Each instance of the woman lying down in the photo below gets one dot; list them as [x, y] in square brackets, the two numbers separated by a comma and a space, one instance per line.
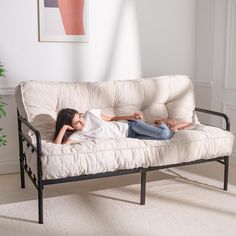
[72, 126]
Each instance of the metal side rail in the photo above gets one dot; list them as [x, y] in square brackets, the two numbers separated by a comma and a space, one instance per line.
[38, 182]
[215, 113]
[225, 162]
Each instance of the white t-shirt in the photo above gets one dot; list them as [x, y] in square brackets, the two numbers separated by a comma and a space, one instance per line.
[95, 127]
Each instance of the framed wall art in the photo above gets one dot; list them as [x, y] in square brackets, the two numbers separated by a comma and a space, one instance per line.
[63, 20]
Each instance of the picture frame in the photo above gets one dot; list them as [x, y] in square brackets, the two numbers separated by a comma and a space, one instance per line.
[63, 20]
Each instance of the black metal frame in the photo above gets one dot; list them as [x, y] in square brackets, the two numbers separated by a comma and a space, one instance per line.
[39, 182]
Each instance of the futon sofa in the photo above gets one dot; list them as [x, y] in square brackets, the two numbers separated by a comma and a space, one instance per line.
[45, 162]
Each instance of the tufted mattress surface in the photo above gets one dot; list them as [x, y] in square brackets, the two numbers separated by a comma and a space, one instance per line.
[173, 96]
[98, 156]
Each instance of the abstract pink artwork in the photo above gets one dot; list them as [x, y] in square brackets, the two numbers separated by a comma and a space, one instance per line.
[72, 16]
[64, 20]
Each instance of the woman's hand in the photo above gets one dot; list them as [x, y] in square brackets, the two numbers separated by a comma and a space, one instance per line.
[59, 137]
[137, 116]
[67, 127]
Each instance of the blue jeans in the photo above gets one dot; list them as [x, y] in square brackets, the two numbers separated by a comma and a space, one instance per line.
[140, 130]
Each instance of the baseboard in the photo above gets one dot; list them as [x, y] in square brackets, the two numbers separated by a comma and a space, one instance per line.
[8, 167]
[7, 91]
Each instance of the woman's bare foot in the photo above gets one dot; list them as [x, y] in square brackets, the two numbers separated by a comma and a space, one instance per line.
[181, 125]
[168, 121]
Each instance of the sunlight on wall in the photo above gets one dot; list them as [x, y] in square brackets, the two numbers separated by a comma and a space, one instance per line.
[114, 46]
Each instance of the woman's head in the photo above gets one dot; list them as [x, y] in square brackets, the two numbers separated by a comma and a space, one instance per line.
[69, 117]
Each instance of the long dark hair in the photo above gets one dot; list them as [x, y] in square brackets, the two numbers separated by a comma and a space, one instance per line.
[64, 117]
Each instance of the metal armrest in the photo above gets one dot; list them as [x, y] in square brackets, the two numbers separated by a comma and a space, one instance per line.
[38, 182]
[215, 113]
[37, 148]
[36, 132]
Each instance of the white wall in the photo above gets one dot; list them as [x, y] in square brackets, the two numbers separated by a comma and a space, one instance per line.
[215, 71]
[204, 52]
[204, 55]
[128, 39]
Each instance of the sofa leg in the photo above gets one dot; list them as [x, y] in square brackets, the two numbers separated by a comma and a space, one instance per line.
[22, 175]
[226, 173]
[40, 205]
[143, 187]
[21, 154]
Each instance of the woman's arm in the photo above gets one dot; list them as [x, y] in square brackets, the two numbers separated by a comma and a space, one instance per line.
[69, 141]
[59, 137]
[135, 116]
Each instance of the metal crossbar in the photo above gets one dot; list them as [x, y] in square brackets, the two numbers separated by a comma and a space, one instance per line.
[39, 182]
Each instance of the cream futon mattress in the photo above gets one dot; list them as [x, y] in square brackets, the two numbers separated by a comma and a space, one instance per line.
[98, 156]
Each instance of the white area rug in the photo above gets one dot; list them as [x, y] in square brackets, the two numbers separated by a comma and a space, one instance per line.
[174, 206]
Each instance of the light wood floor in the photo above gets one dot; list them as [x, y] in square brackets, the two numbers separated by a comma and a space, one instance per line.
[184, 201]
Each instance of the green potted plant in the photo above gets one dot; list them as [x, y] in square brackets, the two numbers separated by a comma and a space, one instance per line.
[3, 140]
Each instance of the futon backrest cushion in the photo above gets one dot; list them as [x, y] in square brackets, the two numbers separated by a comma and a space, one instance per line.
[158, 97]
